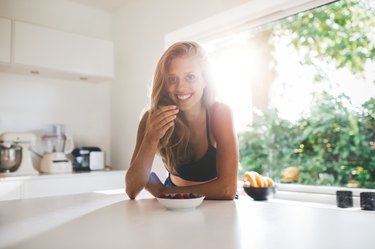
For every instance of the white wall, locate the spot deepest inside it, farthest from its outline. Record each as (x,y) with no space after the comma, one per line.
(29,103)
(139,30)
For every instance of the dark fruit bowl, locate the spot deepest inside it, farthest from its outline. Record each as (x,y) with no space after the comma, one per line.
(260,194)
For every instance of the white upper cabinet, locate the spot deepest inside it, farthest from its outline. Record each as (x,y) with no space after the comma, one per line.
(54,53)
(5,40)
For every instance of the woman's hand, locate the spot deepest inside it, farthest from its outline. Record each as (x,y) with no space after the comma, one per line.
(154,185)
(160,120)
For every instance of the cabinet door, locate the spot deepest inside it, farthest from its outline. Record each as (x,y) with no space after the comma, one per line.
(54,185)
(63,52)
(5,40)
(10,190)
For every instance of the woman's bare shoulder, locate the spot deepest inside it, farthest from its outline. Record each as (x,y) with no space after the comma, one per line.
(221,119)
(221,123)
(219,110)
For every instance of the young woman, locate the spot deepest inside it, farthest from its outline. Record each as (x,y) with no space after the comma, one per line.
(192,132)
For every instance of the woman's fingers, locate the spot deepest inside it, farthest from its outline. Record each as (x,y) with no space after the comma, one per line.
(167,107)
(162,129)
(165,121)
(164,112)
(161,120)
(163,116)
(167,126)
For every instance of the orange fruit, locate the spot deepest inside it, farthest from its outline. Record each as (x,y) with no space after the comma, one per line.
(246,184)
(246,176)
(250,177)
(259,179)
(269,181)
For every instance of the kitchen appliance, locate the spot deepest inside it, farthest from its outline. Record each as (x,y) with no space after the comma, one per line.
(88,158)
(10,158)
(56,145)
(15,154)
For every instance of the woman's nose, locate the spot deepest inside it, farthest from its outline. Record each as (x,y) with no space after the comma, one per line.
(182,84)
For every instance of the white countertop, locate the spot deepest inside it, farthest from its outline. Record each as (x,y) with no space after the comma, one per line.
(9,177)
(107,220)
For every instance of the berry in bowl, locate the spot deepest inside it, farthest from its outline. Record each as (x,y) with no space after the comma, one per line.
(180,200)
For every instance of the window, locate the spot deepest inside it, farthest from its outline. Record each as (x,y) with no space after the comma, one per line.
(302,89)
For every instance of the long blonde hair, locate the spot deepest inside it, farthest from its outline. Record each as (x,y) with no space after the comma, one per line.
(173,146)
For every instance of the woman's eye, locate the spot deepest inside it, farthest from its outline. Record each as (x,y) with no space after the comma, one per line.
(172,79)
(190,77)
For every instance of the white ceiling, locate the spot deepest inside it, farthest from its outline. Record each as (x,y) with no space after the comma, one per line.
(108,5)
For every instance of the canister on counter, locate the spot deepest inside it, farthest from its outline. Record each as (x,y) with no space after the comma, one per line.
(344,198)
(367,200)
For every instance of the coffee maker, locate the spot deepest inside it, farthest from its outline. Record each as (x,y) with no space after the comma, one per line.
(56,145)
(88,158)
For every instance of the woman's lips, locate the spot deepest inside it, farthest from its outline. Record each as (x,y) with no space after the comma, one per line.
(183,96)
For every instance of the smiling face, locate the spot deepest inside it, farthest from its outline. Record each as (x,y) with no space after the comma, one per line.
(185,83)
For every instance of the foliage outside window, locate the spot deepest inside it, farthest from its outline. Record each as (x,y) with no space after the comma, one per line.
(333,146)
(332,141)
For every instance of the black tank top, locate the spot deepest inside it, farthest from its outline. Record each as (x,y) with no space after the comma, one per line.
(203,169)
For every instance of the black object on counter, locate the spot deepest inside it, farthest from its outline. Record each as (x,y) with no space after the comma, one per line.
(260,194)
(367,200)
(81,156)
(344,198)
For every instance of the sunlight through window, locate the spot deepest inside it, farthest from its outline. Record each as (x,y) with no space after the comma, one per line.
(302,91)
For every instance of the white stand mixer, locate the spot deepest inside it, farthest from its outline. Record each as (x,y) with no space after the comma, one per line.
(25,140)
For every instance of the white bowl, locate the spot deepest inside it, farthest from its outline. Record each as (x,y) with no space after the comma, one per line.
(171,203)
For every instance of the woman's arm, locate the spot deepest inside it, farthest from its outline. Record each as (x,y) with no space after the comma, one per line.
(141,162)
(148,138)
(225,186)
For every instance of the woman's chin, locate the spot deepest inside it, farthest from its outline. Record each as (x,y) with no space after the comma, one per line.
(182,106)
